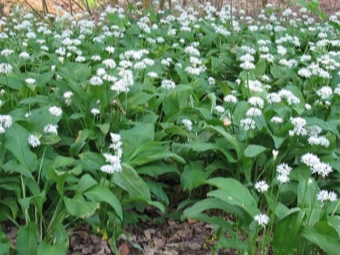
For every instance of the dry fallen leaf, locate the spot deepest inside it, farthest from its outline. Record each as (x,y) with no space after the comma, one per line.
(124,248)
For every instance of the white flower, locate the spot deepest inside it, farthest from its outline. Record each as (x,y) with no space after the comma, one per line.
(305,73)
(5,68)
(67,95)
(275,153)
(95,111)
(261,186)
(253,112)
(30,81)
(256,101)
(219,109)
(261,219)
(109,63)
(318,140)
(115,141)
(283,169)
(187,123)
(283,178)
(80,59)
(310,159)
(325,195)
(5,122)
(110,49)
(152,75)
(273,98)
(56,111)
(230,99)
(49,128)
(211,81)
(96,81)
(322,169)
(325,92)
(192,51)
(168,84)
(247,65)
(33,141)
(308,107)
(247,124)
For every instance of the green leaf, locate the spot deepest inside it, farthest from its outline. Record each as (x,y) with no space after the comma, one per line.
(86,182)
(284,243)
(230,140)
(27,239)
(157,168)
(134,138)
(100,193)
(195,211)
(234,193)
(193,176)
(334,221)
(324,236)
(5,244)
(79,207)
(130,181)
(12,166)
(48,249)
(253,150)
(16,142)
(231,243)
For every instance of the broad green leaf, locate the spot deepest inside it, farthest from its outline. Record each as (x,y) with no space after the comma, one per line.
(324,236)
(48,249)
(193,176)
(60,234)
(234,193)
(254,150)
(27,239)
(12,166)
(16,142)
(86,182)
(230,140)
(157,168)
(37,200)
(49,139)
(5,244)
(100,193)
(307,191)
(194,211)
(131,182)
(334,221)
(238,244)
(79,207)
(135,137)
(284,243)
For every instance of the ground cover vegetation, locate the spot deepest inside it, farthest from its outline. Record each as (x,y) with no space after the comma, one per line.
(98,119)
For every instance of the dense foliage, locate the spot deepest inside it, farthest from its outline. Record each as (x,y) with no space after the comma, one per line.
(98,119)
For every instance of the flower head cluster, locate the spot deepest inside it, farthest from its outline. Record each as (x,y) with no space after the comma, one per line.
(56,111)
(299,126)
(316,165)
(113,160)
(33,141)
(5,122)
(261,186)
(283,171)
(187,124)
(261,219)
(325,195)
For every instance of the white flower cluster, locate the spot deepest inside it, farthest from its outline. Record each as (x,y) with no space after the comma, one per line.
(187,124)
(299,127)
(114,160)
(33,141)
(325,195)
(5,122)
(316,165)
(283,171)
(261,219)
(261,186)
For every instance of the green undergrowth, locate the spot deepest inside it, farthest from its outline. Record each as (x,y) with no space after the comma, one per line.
(99,121)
